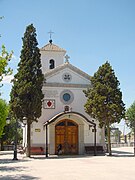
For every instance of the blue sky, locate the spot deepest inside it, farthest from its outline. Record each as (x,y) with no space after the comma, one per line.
(92,31)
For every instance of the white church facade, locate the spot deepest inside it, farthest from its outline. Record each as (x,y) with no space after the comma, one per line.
(64,127)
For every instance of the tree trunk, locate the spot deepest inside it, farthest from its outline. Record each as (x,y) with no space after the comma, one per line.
(1,145)
(28,139)
(109,139)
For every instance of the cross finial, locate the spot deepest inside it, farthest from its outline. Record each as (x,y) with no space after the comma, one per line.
(50,32)
(67,58)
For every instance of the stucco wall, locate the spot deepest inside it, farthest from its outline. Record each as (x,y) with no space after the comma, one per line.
(46,56)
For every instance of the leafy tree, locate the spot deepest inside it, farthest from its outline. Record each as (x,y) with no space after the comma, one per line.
(5,57)
(3,115)
(26,94)
(9,133)
(130,115)
(104,101)
(4,71)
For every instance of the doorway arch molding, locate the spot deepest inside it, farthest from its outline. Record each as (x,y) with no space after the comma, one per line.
(53,119)
(62,114)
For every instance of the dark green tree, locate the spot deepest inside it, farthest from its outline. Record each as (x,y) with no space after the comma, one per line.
(130,116)
(104,99)
(26,94)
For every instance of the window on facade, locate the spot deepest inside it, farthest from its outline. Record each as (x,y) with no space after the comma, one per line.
(52,64)
(70,123)
(61,123)
(66,97)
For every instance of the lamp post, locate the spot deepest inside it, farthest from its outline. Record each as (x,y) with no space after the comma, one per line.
(24,132)
(15,138)
(15,141)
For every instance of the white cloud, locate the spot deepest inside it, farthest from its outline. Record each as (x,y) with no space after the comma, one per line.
(7,79)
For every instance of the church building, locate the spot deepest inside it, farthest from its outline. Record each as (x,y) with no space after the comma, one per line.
(64,127)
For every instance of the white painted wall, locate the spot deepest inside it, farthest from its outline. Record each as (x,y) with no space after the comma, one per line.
(86,136)
(75,79)
(58,57)
(77,105)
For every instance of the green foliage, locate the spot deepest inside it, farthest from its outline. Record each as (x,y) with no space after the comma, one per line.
(5,57)
(26,94)
(3,115)
(9,133)
(130,115)
(104,101)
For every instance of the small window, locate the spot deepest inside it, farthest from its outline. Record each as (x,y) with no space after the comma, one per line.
(61,123)
(52,64)
(71,123)
(66,97)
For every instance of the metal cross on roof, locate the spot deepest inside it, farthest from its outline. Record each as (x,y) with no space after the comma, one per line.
(67,58)
(50,32)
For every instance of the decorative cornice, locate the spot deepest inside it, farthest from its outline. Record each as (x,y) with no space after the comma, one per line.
(67,85)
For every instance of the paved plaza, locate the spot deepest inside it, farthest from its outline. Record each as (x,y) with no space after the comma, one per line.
(120,166)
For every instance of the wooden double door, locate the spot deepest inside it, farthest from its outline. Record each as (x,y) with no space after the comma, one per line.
(66,137)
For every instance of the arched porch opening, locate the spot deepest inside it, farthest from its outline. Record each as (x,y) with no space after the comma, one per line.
(53,122)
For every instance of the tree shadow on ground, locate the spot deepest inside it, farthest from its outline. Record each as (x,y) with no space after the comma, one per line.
(10,161)
(117,153)
(64,156)
(14,170)
(16,177)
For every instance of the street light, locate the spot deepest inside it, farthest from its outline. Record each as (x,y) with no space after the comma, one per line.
(24,121)
(15,139)
(127,121)
(24,132)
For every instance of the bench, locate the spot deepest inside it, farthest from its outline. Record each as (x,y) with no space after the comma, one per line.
(91,149)
(37,151)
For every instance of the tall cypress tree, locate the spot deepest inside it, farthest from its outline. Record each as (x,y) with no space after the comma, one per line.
(26,94)
(104,101)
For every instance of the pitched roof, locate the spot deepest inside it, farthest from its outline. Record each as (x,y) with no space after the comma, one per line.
(70,66)
(52,47)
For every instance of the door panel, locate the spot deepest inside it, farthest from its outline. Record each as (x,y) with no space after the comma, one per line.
(66,133)
(60,137)
(72,139)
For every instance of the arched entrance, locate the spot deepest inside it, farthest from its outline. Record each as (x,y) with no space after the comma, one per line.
(66,137)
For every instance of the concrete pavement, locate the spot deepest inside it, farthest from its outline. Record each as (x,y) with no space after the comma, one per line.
(120,165)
